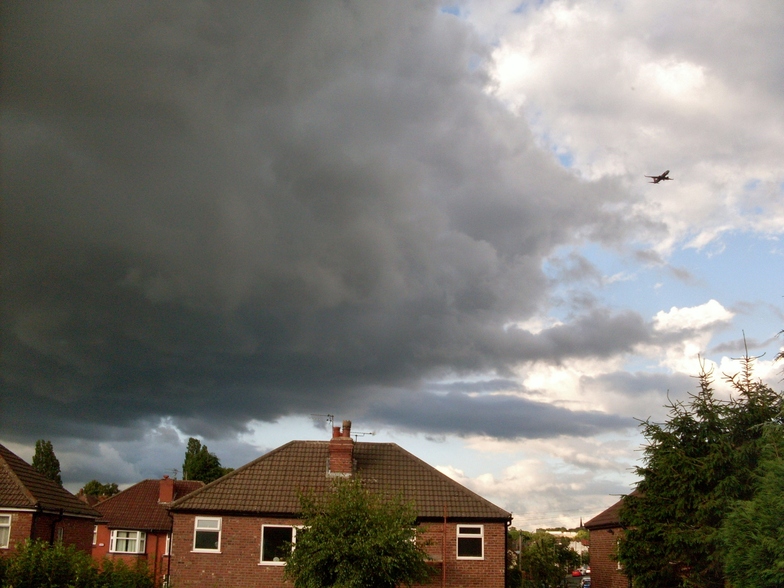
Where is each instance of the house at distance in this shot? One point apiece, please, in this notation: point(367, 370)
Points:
point(34, 507)
point(231, 531)
point(135, 526)
point(605, 531)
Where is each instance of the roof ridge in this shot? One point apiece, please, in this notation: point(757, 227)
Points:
point(113, 496)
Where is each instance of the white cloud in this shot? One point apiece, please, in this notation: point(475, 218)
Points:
point(710, 314)
point(552, 483)
point(627, 91)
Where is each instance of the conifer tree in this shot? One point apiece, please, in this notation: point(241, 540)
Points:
point(753, 531)
point(45, 461)
point(696, 465)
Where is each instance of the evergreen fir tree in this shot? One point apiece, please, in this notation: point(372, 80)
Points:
point(695, 467)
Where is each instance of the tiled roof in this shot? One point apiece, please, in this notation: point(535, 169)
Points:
point(271, 484)
point(138, 508)
point(21, 486)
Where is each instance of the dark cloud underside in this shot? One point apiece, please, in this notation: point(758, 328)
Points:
point(229, 212)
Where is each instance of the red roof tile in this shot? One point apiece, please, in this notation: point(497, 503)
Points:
point(21, 486)
point(138, 508)
point(271, 484)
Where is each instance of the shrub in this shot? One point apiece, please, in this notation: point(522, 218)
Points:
point(117, 574)
point(36, 564)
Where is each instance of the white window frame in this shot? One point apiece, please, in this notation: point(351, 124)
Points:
point(95, 535)
point(167, 548)
point(5, 536)
point(139, 539)
point(264, 562)
point(461, 534)
point(218, 527)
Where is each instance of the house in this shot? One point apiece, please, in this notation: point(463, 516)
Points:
point(135, 525)
point(34, 507)
point(229, 532)
point(605, 530)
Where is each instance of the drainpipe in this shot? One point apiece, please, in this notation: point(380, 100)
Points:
point(443, 554)
point(155, 560)
point(506, 547)
point(171, 548)
point(54, 526)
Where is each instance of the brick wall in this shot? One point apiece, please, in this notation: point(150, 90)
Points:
point(238, 563)
point(21, 524)
point(604, 569)
point(27, 525)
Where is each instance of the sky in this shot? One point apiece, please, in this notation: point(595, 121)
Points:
point(231, 220)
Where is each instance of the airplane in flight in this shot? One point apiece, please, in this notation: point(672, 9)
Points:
point(657, 179)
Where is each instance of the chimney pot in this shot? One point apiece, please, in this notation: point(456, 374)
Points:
point(347, 429)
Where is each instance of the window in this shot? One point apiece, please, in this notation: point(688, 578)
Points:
point(207, 534)
point(5, 530)
point(127, 541)
point(276, 542)
point(470, 541)
point(95, 534)
point(168, 544)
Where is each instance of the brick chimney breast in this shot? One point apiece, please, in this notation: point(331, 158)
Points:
point(341, 452)
point(166, 493)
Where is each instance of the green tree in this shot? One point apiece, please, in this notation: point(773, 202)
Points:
point(95, 488)
point(353, 538)
point(45, 461)
point(753, 533)
point(695, 466)
point(545, 559)
point(200, 464)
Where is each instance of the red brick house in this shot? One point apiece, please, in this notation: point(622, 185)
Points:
point(34, 507)
point(605, 531)
point(228, 532)
point(135, 525)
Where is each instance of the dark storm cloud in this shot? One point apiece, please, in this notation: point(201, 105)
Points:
point(635, 385)
point(229, 212)
point(501, 416)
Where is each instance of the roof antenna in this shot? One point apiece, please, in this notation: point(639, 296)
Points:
point(174, 471)
point(356, 434)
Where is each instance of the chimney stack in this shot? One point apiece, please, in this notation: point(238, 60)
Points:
point(341, 452)
point(166, 493)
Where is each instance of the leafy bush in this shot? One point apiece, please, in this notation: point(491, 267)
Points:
point(117, 574)
point(36, 564)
